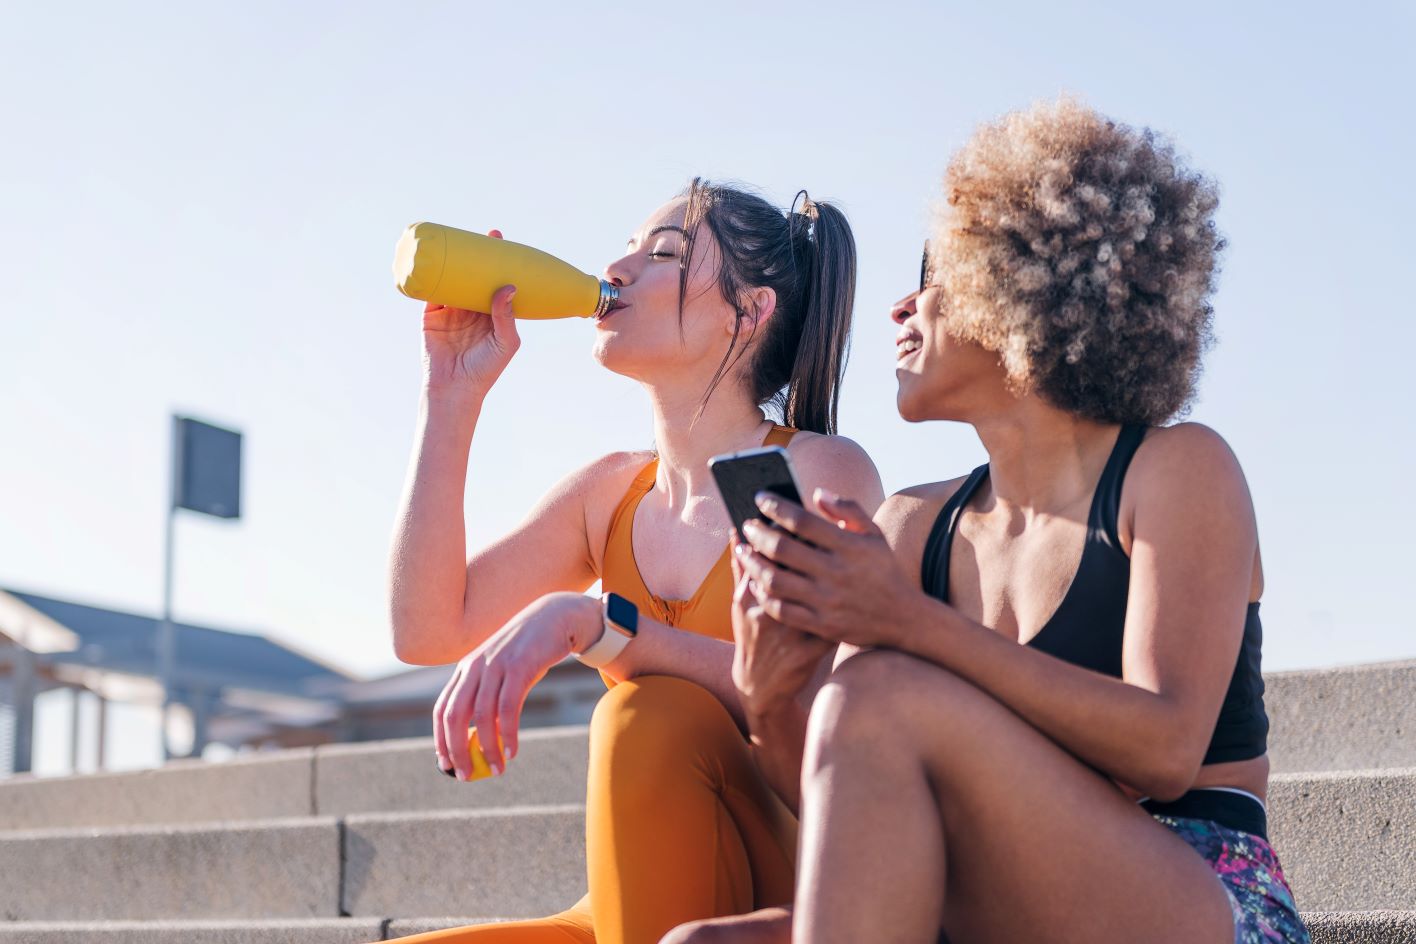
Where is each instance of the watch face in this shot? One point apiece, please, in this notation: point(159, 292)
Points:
point(622, 613)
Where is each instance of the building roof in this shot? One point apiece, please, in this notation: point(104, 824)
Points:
point(206, 658)
point(422, 685)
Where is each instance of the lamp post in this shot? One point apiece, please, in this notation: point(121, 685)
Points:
point(206, 478)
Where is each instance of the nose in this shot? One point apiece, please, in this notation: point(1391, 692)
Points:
point(903, 308)
point(618, 273)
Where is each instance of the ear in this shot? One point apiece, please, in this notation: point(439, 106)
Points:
point(761, 303)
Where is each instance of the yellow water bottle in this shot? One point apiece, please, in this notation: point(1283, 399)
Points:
point(453, 267)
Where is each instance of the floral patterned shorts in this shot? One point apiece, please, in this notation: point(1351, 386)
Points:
point(1264, 912)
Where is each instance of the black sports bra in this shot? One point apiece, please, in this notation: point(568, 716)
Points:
point(1087, 628)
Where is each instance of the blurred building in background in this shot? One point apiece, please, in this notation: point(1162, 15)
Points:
point(237, 690)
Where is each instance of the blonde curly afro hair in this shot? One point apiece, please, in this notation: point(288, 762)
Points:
point(1083, 252)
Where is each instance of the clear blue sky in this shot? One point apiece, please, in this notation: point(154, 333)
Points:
point(200, 201)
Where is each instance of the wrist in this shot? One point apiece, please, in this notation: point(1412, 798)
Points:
point(585, 623)
point(915, 609)
point(764, 709)
point(457, 398)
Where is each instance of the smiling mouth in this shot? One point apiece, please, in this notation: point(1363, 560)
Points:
point(907, 350)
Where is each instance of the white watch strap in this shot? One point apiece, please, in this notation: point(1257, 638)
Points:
point(606, 649)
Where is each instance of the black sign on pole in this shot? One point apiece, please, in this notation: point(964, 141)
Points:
point(208, 473)
point(206, 478)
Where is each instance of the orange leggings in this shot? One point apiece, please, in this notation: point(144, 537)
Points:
point(679, 825)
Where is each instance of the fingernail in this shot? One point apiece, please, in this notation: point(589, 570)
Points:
point(763, 500)
point(739, 550)
point(443, 765)
point(461, 774)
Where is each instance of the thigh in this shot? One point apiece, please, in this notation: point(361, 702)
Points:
point(680, 823)
point(1038, 845)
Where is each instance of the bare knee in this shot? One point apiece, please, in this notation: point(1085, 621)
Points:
point(890, 705)
point(769, 926)
point(695, 932)
point(880, 693)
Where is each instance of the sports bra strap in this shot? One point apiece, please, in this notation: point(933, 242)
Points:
point(934, 570)
point(1106, 504)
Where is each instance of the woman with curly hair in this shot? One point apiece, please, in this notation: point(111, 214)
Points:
point(1046, 721)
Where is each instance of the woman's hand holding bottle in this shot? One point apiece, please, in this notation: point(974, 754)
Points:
point(464, 352)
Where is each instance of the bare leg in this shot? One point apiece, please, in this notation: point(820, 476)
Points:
point(927, 802)
point(768, 926)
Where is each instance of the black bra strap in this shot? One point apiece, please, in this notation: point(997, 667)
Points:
point(934, 570)
point(1106, 504)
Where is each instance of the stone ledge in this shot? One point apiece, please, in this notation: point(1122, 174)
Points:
point(526, 863)
point(1362, 927)
point(1353, 717)
point(276, 869)
point(1347, 839)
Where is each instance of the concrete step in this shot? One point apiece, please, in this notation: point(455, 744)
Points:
point(1354, 718)
point(286, 931)
point(1362, 927)
point(374, 776)
point(286, 868)
point(281, 931)
point(1334, 719)
point(551, 767)
point(1373, 927)
point(522, 861)
point(188, 791)
point(1347, 839)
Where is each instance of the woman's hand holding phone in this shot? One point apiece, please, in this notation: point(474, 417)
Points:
point(772, 663)
point(832, 574)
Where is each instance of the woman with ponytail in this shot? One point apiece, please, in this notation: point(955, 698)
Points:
point(735, 319)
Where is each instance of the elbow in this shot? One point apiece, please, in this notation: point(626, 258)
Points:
point(408, 651)
point(413, 656)
point(1166, 786)
point(413, 644)
point(1167, 773)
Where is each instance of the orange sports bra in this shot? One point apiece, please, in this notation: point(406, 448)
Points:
point(709, 610)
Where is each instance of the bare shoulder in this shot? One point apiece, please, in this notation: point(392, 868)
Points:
point(602, 476)
point(907, 517)
point(1171, 456)
point(1187, 465)
point(838, 464)
point(600, 484)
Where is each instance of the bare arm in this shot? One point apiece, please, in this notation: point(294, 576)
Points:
point(443, 604)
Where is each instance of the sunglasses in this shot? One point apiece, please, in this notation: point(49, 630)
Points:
point(924, 268)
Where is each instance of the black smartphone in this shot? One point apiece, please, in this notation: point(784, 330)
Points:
point(741, 475)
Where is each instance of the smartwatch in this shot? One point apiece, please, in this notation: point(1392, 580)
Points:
point(621, 624)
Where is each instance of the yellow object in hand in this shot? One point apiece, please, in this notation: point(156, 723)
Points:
point(452, 267)
point(480, 767)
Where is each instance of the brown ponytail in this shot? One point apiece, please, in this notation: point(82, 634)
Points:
point(808, 259)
